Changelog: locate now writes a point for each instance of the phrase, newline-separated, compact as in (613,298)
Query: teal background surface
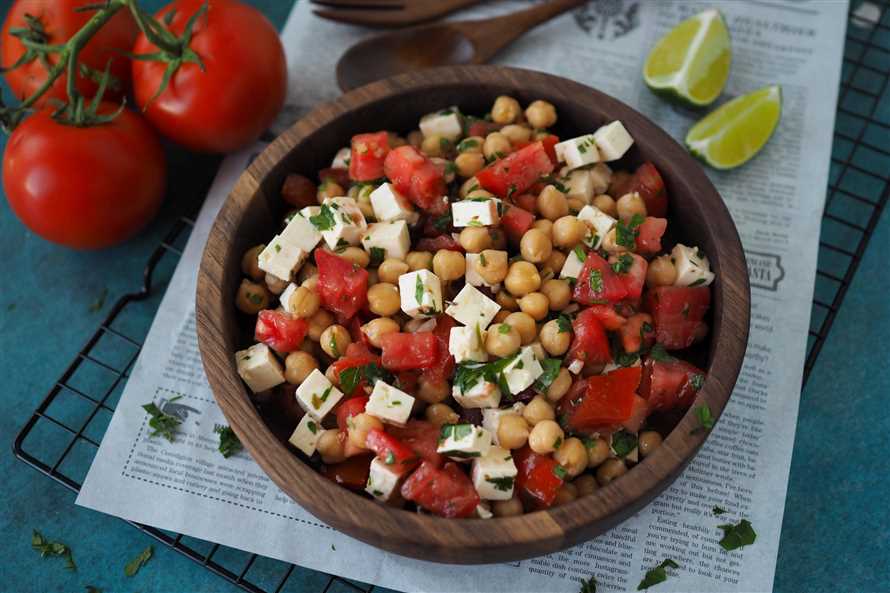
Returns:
(836,514)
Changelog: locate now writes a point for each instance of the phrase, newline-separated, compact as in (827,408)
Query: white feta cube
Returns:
(285,298)
(383,482)
(491,418)
(522,371)
(388,204)
(574,263)
(305,435)
(575,366)
(493,474)
(392,237)
(482,394)
(475,212)
(577,152)
(342,222)
(579,185)
(473,277)
(310,211)
(463,441)
(472,307)
(612,141)
(446,123)
(342,158)
(599,223)
(281,258)
(483,511)
(259,368)
(300,232)
(420,293)
(611,366)
(693,269)
(467,343)
(601,176)
(390,405)
(317,396)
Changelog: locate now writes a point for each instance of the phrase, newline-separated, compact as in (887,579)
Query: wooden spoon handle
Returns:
(491,35)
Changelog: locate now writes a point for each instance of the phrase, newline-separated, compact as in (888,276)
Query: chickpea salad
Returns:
(478,318)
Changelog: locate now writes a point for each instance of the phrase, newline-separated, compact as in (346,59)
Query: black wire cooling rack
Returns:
(859,186)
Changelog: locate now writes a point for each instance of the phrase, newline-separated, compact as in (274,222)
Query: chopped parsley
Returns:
(719,511)
(626,234)
(313,427)
(657,574)
(697,380)
(390,458)
(444,144)
(229,444)
(504,484)
(551,371)
(482,260)
(564,324)
(317,401)
(623,264)
(737,536)
(324,220)
(557,443)
(163,424)
(468,374)
(370,373)
(580,253)
(626,359)
(48,548)
(504,328)
(455,432)
(466,144)
(442,223)
(623,442)
(596,281)
(138,562)
(378,254)
(560,472)
(705,419)
(698,282)
(418,290)
(658,353)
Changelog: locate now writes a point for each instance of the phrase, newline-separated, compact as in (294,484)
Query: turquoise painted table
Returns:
(834,533)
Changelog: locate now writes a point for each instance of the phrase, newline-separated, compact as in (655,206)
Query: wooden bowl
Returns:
(253,212)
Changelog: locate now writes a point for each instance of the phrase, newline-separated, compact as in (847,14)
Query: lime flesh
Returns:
(732,134)
(691,62)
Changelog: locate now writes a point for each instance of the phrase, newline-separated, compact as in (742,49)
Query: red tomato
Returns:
(84,187)
(357,355)
(422,437)
(539,478)
(443,367)
(678,313)
(280,331)
(516,221)
(405,352)
(417,178)
(669,384)
(549,142)
(598,283)
(639,410)
(481,127)
(235,97)
(348,408)
(434,244)
(408,380)
(648,182)
(637,333)
(343,287)
(299,191)
(516,172)
(60,21)
(527,201)
(352,473)
(398,456)
(608,316)
(650,233)
(368,154)
(635,277)
(606,400)
(446,492)
(590,343)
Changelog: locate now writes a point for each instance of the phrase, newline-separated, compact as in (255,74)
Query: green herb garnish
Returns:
(705,419)
(164,424)
(229,444)
(697,380)
(418,290)
(623,264)
(138,562)
(442,223)
(317,401)
(658,353)
(371,373)
(626,234)
(49,549)
(580,253)
(551,371)
(504,484)
(560,472)
(596,281)
(468,374)
(719,511)
(737,536)
(455,432)
(564,324)
(698,282)
(626,359)
(324,220)
(504,329)
(378,254)
(657,574)
(390,458)
(467,144)
(623,443)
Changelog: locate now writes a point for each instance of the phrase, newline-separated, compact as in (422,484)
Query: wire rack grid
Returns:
(858,190)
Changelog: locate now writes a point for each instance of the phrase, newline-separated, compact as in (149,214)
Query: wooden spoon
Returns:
(441,44)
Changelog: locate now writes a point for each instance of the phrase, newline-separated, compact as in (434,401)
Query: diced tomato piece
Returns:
(648,182)
(447,492)
(481,127)
(539,478)
(408,380)
(405,352)
(650,233)
(280,331)
(356,355)
(635,277)
(590,343)
(342,286)
(598,283)
(678,313)
(516,221)
(352,473)
(418,178)
(549,142)
(434,244)
(608,399)
(638,413)
(608,316)
(422,437)
(368,153)
(443,367)
(669,384)
(526,201)
(348,408)
(338,175)
(398,456)
(637,333)
(355,331)
(299,191)
(516,172)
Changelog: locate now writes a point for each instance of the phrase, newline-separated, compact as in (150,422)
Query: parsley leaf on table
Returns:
(229,444)
(623,442)
(705,419)
(588,586)
(737,536)
(163,424)
(49,548)
(657,575)
(139,561)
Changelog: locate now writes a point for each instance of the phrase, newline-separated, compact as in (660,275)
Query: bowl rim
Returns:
(479,540)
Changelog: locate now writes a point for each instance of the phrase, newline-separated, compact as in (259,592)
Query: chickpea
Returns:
(356,256)
(318,323)
(491,265)
(572,455)
(568,231)
(419,260)
(609,470)
(538,350)
(331,374)
(522,278)
(362,198)
(432,391)
(661,272)
(469,185)
(576,205)
(311,283)
(330,446)
(359,426)
(307,271)
(480,193)
(304,303)
(373,278)
(649,442)
(505,110)
(597,452)
(558,293)
(446,166)
(390,270)
(498,238)
(546,437)
(502,340)
(524,324)
(566,494)
(516,134)
(275,284)
(630,205)
(383,299)
(606,204)
(535,304)
(545,226)
(535,246)
(512,431)
(252,297)
(469,163)
(471,144)
(586,484)
(298,365)
(538,410)
(449,265)
(554,341)
(334,340)
(496,146)
(506,301)
(541,114)
(329,189)
(379,327)
(556,261)
(435,145)
(415,138)
(440,414)
(610,243)
(560,385)
(250,263)
(507,508)
(395,140)
(475,239)
(552,203)
(501,316)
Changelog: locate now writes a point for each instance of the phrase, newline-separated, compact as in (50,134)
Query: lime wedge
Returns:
(691,62)
(730,135)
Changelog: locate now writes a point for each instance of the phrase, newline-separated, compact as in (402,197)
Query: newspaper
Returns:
(776,201)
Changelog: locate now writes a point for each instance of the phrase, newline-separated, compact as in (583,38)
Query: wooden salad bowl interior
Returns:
(253,213)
